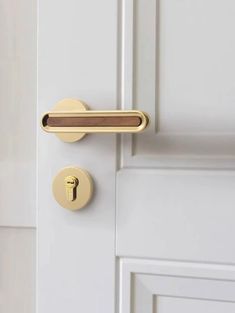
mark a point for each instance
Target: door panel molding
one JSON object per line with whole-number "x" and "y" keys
{"x": 153, "y": 286}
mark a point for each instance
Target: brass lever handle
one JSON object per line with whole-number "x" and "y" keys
{"x": 71, "y": 117}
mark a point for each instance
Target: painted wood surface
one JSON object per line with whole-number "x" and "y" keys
{"x": 76, "y": 250}
{"x": 162, "y": 215}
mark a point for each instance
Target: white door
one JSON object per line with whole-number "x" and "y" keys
{"x": 158, "y": 234}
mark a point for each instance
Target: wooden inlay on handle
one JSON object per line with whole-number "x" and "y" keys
{"x": 96, "y": 121}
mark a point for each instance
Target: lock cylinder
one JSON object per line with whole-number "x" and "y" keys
{"x": 72, "y": 188}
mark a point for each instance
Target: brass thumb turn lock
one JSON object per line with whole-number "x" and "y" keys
{"x": 71, "y": 120}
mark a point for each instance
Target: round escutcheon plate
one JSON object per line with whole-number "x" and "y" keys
{"x": 72, "y": 188}
{"x": 70, "y": 105}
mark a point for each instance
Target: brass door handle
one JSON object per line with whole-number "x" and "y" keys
{"x": 71, "y": 120}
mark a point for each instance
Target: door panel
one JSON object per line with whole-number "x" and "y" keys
{"x": 184, "y": 215}
{"x": 178, "y": 67}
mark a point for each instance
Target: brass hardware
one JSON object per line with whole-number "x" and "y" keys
{"x": 72, "y": 188}
{"x": 71, "y": 121}
{"x": 71, "y": 184}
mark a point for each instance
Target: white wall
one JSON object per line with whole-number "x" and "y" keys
{"x": 17, "y": 155}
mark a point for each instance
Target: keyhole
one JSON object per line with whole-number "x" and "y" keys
{"x": 71, "y": 183}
